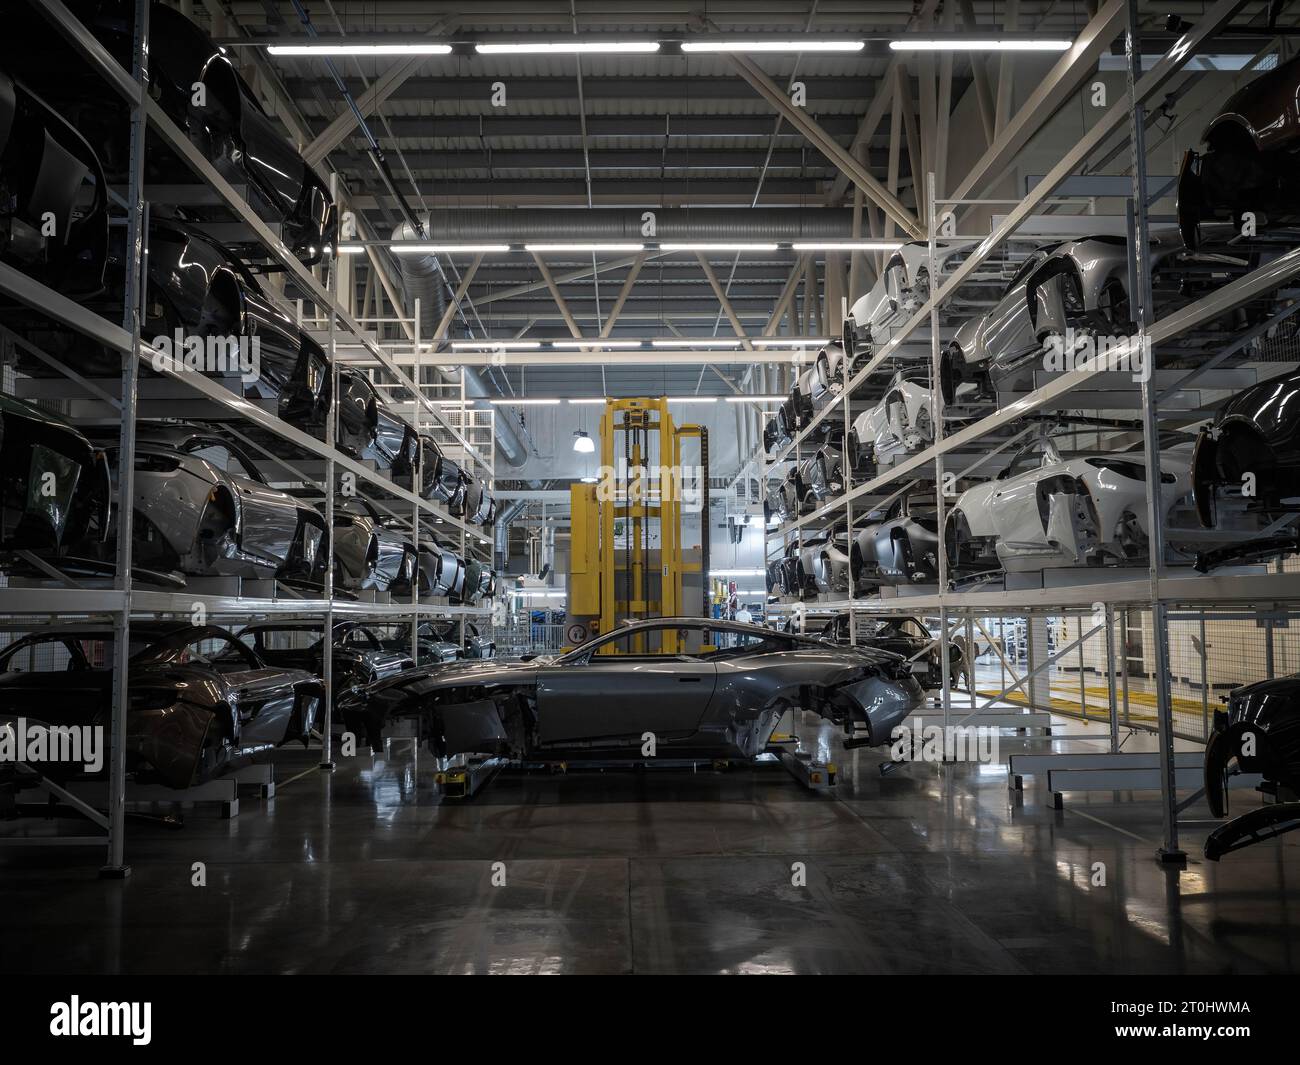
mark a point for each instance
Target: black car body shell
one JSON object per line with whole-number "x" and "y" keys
{"x": 1249, "y": 161}
{"x": 367, "y": 554}
{"x": 186, "y": 720}
{"x": 49, "y": 170}
{"x": 358, "y": 656}
{"x": 38, "y": 450}
{"x": 1256, "y": 432}
{"x": 223, "y": 120}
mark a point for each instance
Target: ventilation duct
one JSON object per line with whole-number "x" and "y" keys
{"x": 567, "y": 225}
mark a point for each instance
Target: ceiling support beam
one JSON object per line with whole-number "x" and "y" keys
{"x": 580, "y": 274}
{"x": 980, "y": 75}
{"x": 723, "y": 299}
{"x": 829, "y": 147}
{"x": 565, "y": 313}
{"x": 633, "y": 272}
{"x": 454, "y": 305}
{"x": 388, "y": 83}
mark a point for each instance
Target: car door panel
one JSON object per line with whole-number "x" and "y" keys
{"x": 617, "y": 697}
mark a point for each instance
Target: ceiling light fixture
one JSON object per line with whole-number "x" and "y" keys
{"x": 447, "y": 249}
{"x": 705, "y": 45}
{"x": 326, "y": 49}
{"x": 702, "y": 342}
{"x": 582, "y": 443}
{"x": 520, "y": 402}
{"x": 584, "y": 247}
{"x": 566, "y": 47}
{"x": 958, "y": 44}
{"x": 718, "y": 246}
{"x": 495, "y": 345}
{"x": 790, "y": 342}
{"x": 595, "y": 343}
{"x": 589, "y": 399}
{"x": 847, "y": 245}
{"x": 692, "y": 399}
{"x": 755, "y": 399}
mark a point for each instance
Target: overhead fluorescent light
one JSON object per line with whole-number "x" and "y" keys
{"x": 325, "y": 49}
{"x": 988, "y": 44}
{"x": 495, "y": 345}
{"x": 402, "y": 248}
{"x": 717, "y": 246}
{"x": 521, "y": 402}
{"x": 701, "y": 342}
{"x": 692, "y": 399}
{"x": 351, "y": 249}
{"x": 589, "y": 399}
{"x": 595, "y": 343}
{"x": 584, "y": 247}
{"x": 566, "y": 47}
{"x": 847, "y": 245}
{"x": 755, "y": 399}
{"x": 588, "y": 480}
{"x": 772, "y": 46}
{"x": 736, "y": 572}
{"x": 790, "y": 342}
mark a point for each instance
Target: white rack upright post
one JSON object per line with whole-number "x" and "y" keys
{"x": 1140, "y": 299}
{"x": 136, "y": 235}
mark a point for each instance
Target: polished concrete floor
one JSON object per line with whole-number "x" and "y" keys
{"x": 929, "y": 869}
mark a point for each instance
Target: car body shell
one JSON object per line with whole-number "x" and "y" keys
{"x": 35, "y": 444}
{"x": 723, "y": 704}
{"x": 899, "y": 292}
{"x": 905, "y": 544}
{"x": 224, "y": 121}
{"x": 186, "y": 719}
{"x": 996, "y": 351}
{"x": 46, "y": 167}
{"x": 1248, "y": 164}
{"x": 1063, "y": 511}
{"x": 194, "y": 515}
{"x": 906, "y": 636}
{"x": 368, "y": 554}
{"x": 357, "y": 655}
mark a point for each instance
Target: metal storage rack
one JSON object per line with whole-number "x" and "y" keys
{"x": 1158, "y": 590}
{"x": 468, "y": 436}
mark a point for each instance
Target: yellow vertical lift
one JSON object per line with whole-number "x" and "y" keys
{"x": 627, "y": 556}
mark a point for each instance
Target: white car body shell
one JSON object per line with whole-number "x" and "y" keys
{"x": 1007, "y": 510}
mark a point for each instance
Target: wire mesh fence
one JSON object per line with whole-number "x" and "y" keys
{"x": 1211, "y": 652}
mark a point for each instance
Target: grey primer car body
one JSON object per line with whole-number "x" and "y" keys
{"x": 721, "y": 701}
{"x": 201, "y": 507}
{"x": 199, "y": 699}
